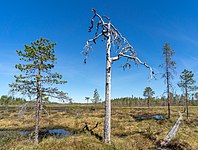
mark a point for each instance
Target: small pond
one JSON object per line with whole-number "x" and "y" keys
{"x": 155, "y": 117}
{"x": 58, "y": 133}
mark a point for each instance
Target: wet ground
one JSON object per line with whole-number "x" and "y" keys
{"x": 155, "y": 117}
{"x": 58, "y": 133}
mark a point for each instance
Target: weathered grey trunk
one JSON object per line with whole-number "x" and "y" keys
{"x": 172, "y": 132}
{"x": 107, "y": 123}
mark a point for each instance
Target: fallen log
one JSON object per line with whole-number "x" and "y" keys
{"x": 172, "y": 132}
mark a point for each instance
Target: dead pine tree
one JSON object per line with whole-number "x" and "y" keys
{"x": 106, "y": 30}
{"x": 169, "y": 67}
{"x": 36, "y": 78}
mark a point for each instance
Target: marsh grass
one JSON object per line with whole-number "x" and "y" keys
{"x": 127, "y": 133}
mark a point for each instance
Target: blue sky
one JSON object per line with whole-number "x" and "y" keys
{"x": 147, "y": 25}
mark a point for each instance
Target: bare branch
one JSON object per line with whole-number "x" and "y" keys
{"x": 115, "y": 58}
{"x": 136, "y": 59}
{"x": 92, "y": 20}
{"x": 94, "y": 39}
{"x": 100, "y": 25}
{"x": 124, "y": 48}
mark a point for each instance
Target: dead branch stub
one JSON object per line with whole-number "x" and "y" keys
{"x": 86, "y": 128}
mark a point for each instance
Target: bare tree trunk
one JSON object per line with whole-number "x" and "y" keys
{"x": 37, "y": 120}
{"x": 186, "y": 96}
{"x": 148, "y": 102}
{"x": 38, "y": 107}
{"x": 107, "y": 123}
{"x": 168, "y": 87}
{"x": 184, "y": 103}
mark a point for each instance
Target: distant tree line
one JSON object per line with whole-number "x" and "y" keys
{"x": 176, "y": 100}
{"x": 9, "y": 100}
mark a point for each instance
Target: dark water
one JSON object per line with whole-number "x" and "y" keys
{"x": 158, "y": 117}
{"x": 60, "y": 110}
{"x": 58, "y": 133}
{"x": 8, "y": 108}
{"x": 155, "y": 117}
{"x": 24, "y": 132}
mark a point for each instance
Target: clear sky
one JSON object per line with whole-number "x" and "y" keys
{"x": 147, "y": 25}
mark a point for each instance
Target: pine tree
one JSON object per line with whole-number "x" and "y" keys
{"x": 36, "y": 78}
{"x": 87, "y": 99}
{"x": 187, "y": 84}
{"x": 148, "y": 93}
{"x": 169, "y": 67}
{"x": 96, "y": 97}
